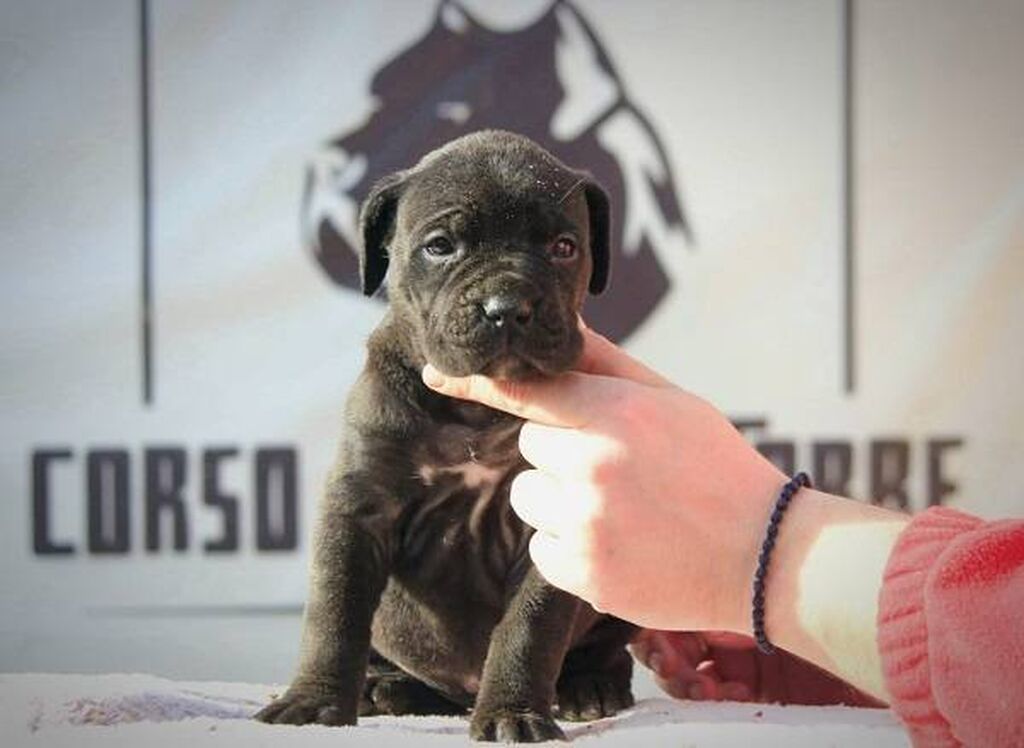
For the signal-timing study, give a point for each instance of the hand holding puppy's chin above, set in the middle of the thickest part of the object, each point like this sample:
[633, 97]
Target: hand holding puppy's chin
[502, 370]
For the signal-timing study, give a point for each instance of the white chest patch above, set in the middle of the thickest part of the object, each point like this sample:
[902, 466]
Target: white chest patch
[473, 475]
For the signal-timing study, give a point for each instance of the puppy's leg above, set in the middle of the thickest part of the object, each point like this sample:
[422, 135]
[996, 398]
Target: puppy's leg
[349, 570]
[527, 647]
[391, 690]
[596, 676]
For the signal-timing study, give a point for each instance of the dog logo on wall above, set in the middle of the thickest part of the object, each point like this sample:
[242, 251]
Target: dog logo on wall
[552, 81]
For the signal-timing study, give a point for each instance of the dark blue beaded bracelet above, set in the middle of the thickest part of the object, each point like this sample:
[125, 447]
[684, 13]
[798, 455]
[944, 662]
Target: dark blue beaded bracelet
[800, 480]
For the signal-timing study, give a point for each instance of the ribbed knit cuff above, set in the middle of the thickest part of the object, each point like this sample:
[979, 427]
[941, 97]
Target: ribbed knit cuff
[902, 627]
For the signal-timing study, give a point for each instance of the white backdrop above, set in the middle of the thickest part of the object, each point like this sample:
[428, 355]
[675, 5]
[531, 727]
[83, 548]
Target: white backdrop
[254, 346]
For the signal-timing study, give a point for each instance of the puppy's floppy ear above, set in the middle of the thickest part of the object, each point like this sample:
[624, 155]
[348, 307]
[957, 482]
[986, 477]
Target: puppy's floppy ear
[377, 228]
[600, 235]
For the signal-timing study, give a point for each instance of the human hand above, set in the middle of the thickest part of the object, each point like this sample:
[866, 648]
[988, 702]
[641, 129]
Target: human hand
[723, 666]
[648, 503]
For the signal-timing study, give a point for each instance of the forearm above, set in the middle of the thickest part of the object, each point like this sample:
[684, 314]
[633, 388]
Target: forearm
[823, 584]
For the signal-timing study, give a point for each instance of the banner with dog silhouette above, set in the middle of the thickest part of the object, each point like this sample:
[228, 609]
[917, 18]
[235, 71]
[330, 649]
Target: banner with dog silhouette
[818, 225]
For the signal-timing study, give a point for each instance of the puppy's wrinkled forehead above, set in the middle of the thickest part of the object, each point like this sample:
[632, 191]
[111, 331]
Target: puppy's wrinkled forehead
[507, 188]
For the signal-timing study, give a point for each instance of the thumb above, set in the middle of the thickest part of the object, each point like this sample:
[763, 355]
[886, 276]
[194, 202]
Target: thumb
[568, 400]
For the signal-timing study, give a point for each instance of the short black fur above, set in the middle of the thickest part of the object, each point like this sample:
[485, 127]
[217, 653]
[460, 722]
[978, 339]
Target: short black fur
[422, 598]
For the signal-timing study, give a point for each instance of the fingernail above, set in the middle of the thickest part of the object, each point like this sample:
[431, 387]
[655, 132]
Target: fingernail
[734, 691]
[656, 662]
[516, 503]
[432, 377]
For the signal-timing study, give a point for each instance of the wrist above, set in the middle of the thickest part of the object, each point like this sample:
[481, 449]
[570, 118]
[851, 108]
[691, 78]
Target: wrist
[758, 496]
[825, 574]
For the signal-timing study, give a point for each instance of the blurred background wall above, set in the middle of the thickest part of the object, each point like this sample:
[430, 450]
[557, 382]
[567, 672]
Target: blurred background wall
[820, 228]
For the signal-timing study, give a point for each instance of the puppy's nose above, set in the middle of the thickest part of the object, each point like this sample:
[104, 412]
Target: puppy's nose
[504, 310]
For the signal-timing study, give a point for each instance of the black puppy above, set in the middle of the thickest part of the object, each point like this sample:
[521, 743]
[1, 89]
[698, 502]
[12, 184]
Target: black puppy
[423, 599]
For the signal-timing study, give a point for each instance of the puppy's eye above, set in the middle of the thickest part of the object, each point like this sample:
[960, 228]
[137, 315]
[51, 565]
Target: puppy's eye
[438, 246]
[563, 248]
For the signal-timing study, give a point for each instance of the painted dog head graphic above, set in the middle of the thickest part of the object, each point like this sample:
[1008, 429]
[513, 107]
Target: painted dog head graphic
[551, 81]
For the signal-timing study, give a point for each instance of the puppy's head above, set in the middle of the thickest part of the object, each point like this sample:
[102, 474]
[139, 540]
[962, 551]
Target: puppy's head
[490, 245]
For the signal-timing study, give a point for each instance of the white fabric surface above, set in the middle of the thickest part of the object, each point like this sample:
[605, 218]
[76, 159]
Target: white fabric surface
[142, 710]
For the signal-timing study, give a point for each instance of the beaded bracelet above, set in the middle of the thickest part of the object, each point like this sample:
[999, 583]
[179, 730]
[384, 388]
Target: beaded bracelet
[800, 480]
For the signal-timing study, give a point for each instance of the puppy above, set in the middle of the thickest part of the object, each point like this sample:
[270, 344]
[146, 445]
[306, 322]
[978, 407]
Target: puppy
[423, 599]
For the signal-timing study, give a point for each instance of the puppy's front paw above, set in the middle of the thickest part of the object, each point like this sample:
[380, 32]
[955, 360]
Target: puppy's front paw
[301, 705]
[588, 696]
[513, 726]
[398, 693]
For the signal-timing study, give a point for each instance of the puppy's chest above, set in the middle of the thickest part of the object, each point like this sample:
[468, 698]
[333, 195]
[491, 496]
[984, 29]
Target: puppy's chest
[463, 475]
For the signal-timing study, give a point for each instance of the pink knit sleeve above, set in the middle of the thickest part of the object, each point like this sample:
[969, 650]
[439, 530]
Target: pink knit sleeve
[951, 630]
